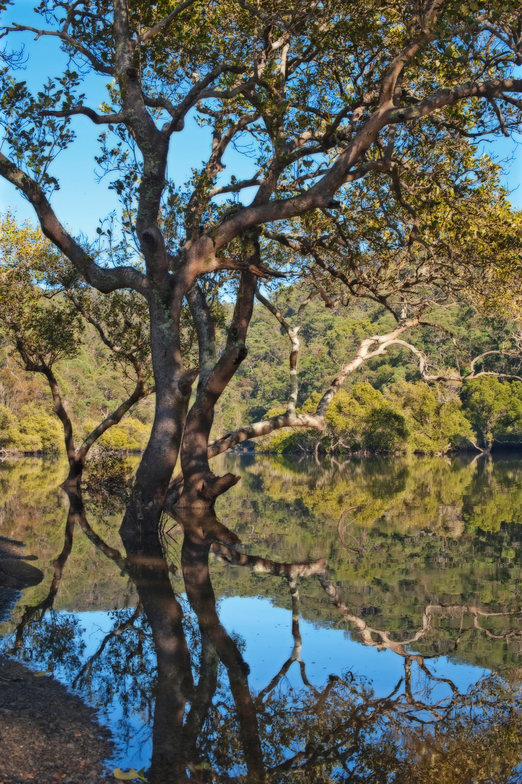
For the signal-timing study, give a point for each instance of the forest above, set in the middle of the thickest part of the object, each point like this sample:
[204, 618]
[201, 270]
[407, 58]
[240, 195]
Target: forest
[385, 406]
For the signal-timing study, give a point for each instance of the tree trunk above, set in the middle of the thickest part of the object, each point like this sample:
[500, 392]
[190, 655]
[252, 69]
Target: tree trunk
[173, 386]
[201, 485]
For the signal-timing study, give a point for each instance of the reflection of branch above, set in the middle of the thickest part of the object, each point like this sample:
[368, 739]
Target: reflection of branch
[128, 624]
[47, 603]
[339, 529]
[290, 571]
[296, 651]
[264, 566]
[110, 552]
[385, 643]
[366, 631]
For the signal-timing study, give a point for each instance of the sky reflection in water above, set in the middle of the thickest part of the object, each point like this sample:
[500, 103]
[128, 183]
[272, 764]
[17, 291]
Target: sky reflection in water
[424, 569]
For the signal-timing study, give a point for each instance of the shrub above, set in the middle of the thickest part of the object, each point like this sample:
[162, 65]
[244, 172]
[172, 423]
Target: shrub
[434, 416]
[384, 430]
[37, 432]
[129, 434]
[7, 427]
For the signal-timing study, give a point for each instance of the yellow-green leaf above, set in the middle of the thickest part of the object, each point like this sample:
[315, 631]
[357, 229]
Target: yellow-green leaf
[130, 775]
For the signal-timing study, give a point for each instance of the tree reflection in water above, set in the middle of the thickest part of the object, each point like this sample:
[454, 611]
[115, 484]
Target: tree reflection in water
[187, 676]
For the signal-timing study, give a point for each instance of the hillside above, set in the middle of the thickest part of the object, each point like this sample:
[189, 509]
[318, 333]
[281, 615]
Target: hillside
[384, 406]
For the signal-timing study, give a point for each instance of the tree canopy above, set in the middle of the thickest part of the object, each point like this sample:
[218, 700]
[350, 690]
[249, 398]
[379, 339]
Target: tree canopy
[355, 121]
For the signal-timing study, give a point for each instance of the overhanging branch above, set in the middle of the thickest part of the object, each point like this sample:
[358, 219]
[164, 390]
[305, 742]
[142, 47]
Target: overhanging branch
[105, 280]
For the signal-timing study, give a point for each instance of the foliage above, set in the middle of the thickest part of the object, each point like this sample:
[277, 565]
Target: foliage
[49, 318]
[359, 128]
[434, 416]
[384, 430]
[494, 409]
[130, 434]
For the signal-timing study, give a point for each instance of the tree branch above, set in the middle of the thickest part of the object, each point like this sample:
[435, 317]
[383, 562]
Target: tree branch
[98, 119]
[139, 392]
[66, 38]
[152, 31]
[321, 193]
[364, 352]
[105, 280]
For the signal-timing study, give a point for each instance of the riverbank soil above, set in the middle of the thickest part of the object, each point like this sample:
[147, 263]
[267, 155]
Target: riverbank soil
[47, 735]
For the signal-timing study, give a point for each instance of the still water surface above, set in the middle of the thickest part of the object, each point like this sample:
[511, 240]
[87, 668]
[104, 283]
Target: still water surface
[368, 626]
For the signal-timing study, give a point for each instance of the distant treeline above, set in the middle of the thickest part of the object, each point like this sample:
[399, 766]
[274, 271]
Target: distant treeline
[384, 406]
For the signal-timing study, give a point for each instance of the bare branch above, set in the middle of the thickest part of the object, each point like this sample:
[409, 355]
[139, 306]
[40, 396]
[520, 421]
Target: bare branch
[474, 361]
[364, 352]
[98, 119]
[423, 364]
[66, 38]
[263, 428]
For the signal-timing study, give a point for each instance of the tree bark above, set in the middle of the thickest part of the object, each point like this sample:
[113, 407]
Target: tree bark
[201, 486]
[173, 386]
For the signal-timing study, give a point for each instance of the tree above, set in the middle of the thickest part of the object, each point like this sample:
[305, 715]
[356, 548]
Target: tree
[44, 310]
[326, 96]
[494, 409]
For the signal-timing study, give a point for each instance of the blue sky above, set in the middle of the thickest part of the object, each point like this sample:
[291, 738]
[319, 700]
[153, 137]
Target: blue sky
[81, 201]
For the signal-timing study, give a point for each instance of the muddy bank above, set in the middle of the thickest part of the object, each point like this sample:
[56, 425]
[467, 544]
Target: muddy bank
[47, 734]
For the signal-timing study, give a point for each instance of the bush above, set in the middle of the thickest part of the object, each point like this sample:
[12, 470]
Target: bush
[434, 416]
[384, 430]
[494, 408]
[36, 432]
[130, 434]
[7, 428]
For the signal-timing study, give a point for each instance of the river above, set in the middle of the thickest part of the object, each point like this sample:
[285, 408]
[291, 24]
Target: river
[367, 627]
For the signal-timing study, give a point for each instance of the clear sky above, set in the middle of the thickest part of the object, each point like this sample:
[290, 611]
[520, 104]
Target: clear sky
[81, 201]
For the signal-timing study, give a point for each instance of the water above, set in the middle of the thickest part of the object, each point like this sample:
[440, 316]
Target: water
[396, 658]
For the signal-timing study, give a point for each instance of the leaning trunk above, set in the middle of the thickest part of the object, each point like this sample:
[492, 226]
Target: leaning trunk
[201, 486]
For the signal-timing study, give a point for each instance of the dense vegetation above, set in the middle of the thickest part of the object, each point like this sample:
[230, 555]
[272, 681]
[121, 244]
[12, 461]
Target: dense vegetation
[385, 406]
[91, 387]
